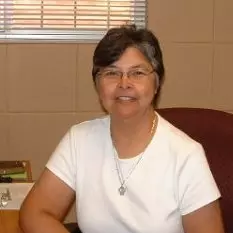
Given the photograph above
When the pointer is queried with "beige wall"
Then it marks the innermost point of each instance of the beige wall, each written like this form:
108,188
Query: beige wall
45,88
197,39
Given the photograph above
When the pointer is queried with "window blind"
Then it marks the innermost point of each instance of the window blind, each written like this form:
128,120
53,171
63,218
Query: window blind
68,19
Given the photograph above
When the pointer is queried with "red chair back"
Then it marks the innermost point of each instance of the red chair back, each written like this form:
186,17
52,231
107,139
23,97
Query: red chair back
214,130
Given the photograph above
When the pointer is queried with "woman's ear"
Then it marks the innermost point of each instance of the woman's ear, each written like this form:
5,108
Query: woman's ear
96,85
156,83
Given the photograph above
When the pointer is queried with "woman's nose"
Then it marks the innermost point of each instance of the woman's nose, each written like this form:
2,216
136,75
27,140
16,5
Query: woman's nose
125,81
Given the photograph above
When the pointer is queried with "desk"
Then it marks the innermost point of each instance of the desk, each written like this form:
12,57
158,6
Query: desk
9,221
9,214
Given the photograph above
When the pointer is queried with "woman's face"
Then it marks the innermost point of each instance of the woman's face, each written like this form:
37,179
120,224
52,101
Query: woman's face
127,87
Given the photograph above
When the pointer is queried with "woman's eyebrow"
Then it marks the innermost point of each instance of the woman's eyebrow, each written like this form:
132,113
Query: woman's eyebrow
140,66
131,67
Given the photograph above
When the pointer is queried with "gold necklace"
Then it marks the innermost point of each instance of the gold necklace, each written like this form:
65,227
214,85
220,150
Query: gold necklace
122,189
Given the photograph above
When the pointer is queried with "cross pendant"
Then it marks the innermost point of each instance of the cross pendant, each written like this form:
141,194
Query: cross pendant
122,190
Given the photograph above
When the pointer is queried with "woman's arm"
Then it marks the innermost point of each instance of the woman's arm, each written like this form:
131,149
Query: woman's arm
207,219
46,205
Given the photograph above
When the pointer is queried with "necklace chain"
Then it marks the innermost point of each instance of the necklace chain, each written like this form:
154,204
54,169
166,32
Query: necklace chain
122,180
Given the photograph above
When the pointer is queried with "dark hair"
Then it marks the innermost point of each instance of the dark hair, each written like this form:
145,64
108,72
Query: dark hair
117,40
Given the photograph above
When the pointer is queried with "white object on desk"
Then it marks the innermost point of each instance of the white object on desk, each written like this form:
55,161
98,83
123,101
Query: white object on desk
13,194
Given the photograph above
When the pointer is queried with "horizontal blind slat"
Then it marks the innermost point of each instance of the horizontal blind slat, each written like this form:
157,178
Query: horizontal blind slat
68,15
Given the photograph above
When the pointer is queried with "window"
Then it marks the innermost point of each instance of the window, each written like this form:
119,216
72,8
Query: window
68,19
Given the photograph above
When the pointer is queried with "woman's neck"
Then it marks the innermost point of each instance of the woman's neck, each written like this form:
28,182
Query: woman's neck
132,135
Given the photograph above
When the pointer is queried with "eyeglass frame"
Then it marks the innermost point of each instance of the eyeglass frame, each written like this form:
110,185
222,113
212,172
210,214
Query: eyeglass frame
129,74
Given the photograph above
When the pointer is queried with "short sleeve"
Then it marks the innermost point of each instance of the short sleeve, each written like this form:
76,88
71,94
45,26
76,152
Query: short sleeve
62,162
196,184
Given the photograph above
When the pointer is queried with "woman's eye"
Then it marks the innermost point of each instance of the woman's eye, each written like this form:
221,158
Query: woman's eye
138,73
113,73
110,74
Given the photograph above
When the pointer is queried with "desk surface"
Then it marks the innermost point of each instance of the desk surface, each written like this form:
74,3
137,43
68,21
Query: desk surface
9,221
9,216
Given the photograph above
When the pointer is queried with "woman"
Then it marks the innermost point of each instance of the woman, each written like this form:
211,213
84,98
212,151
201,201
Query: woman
130,171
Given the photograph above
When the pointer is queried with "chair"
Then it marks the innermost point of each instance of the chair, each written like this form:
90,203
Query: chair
72,227
214,130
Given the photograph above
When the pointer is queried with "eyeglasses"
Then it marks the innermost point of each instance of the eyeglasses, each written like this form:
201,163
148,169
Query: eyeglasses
135,75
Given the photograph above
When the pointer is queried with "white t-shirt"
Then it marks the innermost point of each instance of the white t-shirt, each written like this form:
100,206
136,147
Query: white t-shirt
172,179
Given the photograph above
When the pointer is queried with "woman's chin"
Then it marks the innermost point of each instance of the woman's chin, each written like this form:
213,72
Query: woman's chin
124,110
124,113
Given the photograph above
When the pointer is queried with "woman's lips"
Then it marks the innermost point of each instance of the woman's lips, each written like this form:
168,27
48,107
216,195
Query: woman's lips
126,98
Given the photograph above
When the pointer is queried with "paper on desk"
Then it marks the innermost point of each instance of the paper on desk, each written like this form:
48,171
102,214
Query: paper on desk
18,192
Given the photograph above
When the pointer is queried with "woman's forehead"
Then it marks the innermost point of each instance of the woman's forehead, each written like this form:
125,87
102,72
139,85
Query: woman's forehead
132,58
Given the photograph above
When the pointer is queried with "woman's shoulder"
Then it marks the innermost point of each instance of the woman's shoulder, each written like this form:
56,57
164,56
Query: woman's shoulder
175,137
97,125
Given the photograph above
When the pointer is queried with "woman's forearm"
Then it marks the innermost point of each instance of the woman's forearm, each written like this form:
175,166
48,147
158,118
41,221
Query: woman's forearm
41,223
